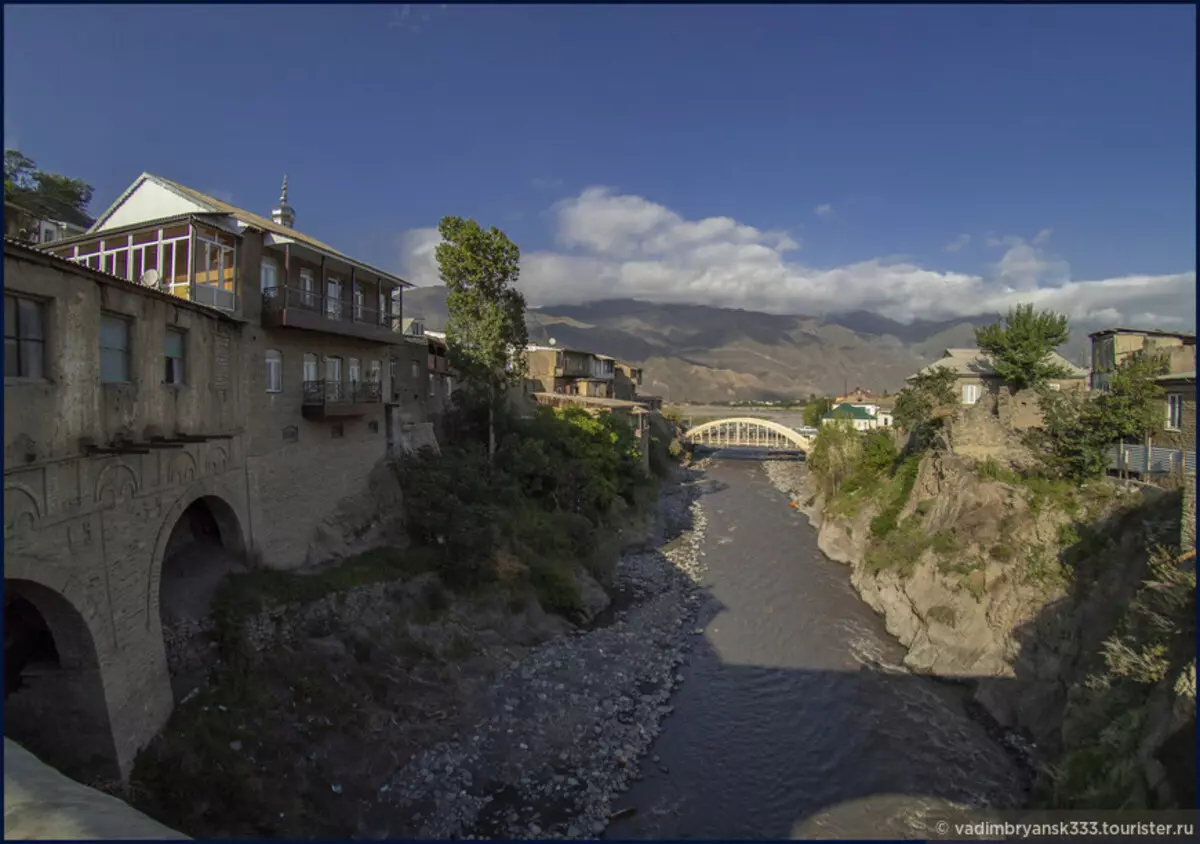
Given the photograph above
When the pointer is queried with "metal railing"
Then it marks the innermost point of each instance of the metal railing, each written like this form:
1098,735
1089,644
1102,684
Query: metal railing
1150,461
331,307
342,392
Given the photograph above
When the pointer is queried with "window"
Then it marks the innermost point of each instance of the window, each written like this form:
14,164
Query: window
174,355
269,276
432,383
274,359
416,370
333,379
308,289
375,372
971,393
449,385
24,338
359,302
114,349
355,371
311,373
333,299
1174,411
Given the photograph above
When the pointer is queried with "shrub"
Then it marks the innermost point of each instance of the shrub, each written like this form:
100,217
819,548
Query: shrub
942,615
944,543
1001,553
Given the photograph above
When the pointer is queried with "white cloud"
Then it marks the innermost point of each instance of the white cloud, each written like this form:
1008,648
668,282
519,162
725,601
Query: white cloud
959,243
621,245
419,261
824,210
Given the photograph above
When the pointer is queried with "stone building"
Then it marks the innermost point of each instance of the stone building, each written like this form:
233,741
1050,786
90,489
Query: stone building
572,372
1179,426
1113,346
976,377
188,387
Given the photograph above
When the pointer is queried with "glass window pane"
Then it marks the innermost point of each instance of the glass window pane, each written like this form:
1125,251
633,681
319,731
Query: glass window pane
11,359
33,357
10,316
30,319
113,365
174,344
114,333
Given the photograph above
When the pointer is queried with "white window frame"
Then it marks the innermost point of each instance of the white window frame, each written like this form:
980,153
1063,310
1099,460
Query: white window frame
268,274
312,367
308,288
360,302
354,370
273,362
1174,411
375,371
971,393
416,369
333,297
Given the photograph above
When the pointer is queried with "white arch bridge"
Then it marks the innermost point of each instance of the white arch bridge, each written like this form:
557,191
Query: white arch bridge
749,432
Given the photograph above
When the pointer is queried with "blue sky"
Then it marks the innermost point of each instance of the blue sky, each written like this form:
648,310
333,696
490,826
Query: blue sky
854,146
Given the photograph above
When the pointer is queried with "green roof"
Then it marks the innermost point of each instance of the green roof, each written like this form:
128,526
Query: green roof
848,411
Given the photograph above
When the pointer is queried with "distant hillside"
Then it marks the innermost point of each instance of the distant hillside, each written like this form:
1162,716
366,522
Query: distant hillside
701,353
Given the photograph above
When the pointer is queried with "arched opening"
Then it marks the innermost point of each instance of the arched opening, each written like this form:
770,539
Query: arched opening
205,547
54,695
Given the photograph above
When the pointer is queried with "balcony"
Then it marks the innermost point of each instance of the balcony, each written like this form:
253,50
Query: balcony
293,307
340,399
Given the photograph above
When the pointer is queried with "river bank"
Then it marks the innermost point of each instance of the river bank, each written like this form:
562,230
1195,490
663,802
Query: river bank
374,702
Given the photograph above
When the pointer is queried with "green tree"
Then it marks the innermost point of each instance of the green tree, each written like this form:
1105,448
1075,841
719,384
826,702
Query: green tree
926,392
43,195
1132,407
1020,345
815,409
485,331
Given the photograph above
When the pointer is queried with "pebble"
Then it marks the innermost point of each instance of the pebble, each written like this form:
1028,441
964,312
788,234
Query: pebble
582,744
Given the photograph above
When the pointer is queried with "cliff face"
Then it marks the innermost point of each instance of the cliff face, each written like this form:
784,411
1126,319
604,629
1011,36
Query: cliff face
1015,585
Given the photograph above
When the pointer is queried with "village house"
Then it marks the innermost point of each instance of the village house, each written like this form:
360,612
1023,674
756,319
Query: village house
858,416
975,376
28,226
553,369
627,378
1179,427
1113,346
320,327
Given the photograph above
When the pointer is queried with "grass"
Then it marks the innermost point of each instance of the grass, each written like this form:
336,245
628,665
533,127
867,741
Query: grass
944,543
900,551
897,494
1001,553
243,595
1043,569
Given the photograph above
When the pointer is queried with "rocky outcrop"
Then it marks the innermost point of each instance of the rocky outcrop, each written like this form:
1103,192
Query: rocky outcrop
988,597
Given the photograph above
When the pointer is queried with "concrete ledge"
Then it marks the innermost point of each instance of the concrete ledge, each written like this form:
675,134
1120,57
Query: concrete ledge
41,803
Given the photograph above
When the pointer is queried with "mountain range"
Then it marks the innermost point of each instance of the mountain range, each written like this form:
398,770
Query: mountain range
698,353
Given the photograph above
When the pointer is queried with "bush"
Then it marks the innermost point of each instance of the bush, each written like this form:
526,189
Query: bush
943,615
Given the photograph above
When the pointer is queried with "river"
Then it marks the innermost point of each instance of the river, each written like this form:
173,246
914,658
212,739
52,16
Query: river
795,718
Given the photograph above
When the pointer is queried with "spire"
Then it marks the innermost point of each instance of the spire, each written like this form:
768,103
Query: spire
284,214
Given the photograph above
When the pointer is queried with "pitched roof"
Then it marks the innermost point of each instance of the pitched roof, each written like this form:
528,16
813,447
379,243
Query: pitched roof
968,362
848,411
217,206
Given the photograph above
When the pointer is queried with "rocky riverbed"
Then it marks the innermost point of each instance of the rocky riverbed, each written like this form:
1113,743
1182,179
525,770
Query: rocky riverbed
567,725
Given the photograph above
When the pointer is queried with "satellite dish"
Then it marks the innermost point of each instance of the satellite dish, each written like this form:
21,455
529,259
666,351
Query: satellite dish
552,341
150,277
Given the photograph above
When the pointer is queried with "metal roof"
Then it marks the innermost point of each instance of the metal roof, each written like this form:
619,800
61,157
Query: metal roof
1156,332
257,221
967,362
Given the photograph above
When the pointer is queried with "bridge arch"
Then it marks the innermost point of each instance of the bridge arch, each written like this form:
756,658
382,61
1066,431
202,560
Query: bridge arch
747,431
200,542
54,687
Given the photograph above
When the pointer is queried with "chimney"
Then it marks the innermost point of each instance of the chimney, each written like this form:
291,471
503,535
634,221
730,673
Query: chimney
284,214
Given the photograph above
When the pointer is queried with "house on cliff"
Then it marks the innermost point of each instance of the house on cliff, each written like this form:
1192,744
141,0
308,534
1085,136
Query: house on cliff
1113,346
976,377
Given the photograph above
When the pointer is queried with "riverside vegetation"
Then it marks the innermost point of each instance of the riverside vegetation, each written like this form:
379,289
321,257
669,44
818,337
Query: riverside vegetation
325,682
1066,599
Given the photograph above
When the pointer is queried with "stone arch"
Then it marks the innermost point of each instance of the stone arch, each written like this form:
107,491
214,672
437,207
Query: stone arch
200,543
55,697
117,482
